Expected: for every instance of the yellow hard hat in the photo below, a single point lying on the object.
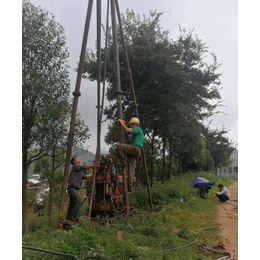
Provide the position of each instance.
(134, 120)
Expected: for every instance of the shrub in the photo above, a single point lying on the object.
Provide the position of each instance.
(145, 235)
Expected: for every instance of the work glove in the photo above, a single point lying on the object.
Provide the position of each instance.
(98, 164)
(121, 121)
(93, 165)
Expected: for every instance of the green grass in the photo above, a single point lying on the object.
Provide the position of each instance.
(170, 225)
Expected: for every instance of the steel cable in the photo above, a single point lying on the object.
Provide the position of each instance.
(97, 257)
(61, 254)
(175, 248)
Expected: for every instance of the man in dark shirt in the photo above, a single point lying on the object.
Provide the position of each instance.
(74, 184)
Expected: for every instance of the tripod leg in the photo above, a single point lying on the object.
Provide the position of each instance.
(126, 198)
(83, 200)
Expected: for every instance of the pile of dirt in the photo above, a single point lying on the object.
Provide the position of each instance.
(228, 220)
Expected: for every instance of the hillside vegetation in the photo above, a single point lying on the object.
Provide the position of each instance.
(177, 86)
(161, 234)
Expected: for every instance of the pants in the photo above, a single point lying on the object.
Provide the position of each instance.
(223, 197)
(127, 155)
(74, 204)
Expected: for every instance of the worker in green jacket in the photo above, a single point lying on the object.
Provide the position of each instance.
(128, 153)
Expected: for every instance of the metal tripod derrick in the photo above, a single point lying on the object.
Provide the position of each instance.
(114, 10)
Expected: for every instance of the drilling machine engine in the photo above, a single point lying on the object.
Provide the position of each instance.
(108, 191)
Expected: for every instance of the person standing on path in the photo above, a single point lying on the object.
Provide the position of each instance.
(222, 194)
(74, 184)
(128, 153)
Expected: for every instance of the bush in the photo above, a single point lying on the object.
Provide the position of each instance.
(145, 235)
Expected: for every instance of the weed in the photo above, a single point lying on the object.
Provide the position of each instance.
(184, 232)
(145, 235)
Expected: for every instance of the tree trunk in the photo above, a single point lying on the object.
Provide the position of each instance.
(170, 164)
(179, 164)
(152, 151)
(163, 168)
(51, 186)
(24, 194)
(184, 165)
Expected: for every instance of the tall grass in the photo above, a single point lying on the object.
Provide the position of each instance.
(172, 224)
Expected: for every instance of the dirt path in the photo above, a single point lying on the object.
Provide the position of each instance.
(228, 220)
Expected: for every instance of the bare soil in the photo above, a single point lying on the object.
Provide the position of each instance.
(228, 220)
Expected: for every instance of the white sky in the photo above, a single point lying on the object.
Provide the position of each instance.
(215, 22)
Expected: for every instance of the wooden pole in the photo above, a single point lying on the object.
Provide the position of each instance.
(76, 94)
(134, 98)
(97, 157)
(119, 100)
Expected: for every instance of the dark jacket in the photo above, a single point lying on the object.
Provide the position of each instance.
(76, 176)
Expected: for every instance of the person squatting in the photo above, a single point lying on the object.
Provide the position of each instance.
(222, 194)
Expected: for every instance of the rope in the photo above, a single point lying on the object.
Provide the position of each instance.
(175, 248)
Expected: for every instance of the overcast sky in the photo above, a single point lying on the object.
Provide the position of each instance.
(214, 21)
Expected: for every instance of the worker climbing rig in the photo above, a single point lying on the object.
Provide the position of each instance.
(109, 192)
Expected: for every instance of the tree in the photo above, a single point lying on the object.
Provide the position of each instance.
(199, 159)
(219, 146)
(175, 88)
(50, 165)
(45, 86)
(49, 168)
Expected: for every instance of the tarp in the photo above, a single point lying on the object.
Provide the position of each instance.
(200, 180)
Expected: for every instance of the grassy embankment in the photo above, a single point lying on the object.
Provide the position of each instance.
(172, 224)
